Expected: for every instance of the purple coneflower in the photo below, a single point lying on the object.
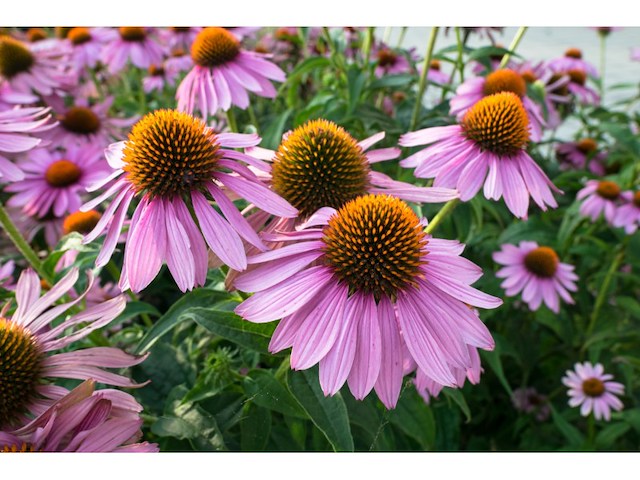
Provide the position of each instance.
(592, 390)
(179, 37)
(17, 127)
(34, 67)
(223, 74)
(390, 61)
(628, 214)
(54, 181)
(581, 154)
(158, 76)
(84, 420)
(175, 163)
(29, 338)
(491, 138)
(572, 60)
(528, 400)
(435, 73)
(86, 123)
(503, 80)
(87, 45)
(537, 273)
(6, 275)
(357, 288)
(135, 44)
(600, 196)
(578, 87)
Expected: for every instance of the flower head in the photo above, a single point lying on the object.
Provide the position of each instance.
(581, 154)
(84, 420)
(55, 181)
(572, 60)
(34, 67)
(628, 214)
(223, 74)
(488, 146)
(358, 287)
(135, 44)
(600, 196)
(173, 161)
(528, 400)
(87, 45)
(537, 272)
(29, 338)
(592, 390)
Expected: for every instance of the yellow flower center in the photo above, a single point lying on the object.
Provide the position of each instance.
(23, 448)
(608, 189)
(214, 46)
(542, 261)
(170, 152)
(20, 367)
(132, 34)
(593, 387)
(505, 80)
(319, 164)
(15, 57)
(375, 244)
(79, 35)
(573, 53)
(81, 222)
(36, 34)
(587, 145)
(498, 123)
(80, 120)
(62, 173)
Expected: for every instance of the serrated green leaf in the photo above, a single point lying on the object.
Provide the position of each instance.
(329, 414)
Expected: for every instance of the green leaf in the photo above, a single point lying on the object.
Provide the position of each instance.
(356, 79)
(494, 361)
(306, 66)
(199, 297)
(415, 418)
(135, 309)
(255, 428)
(457, 396)
(264, 390)
(571, 433)
(191, 422)
(255, 336)
(392, 81)
(609, 434)
(630, 305)
(272, 135)
(329, 414)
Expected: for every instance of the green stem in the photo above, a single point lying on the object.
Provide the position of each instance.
(459, 62)
(23, 246)
(442, 214)
(231, 121)
(604, 288)
(283, 368)
(253, 119)
(422, 85)
(367, 45)
(591, 431)
(514, 44)
(403, 32)
(112, 268)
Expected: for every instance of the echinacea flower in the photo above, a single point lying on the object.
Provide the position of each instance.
(581, 154)
(30, 344)
(487, 147)
(55, 181)
(84, 123)
(572, 60)
(528, 400)
(223, 74)
(592, 390)
(34, 67)
(503, 80)
(157, 78)
(179, 37)
(135, 44)
(84, 420)
(537, 272)
(358, 287)
(628, 214)
(600, 196)
(6, 275)
(87, 45)
(390, 61)
(177, 164)
(436, 75)
(17, 129)
(578, 87)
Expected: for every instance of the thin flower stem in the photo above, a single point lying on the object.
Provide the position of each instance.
(604, 288)
(23, 246)
(253, 119)
(603, 62)
(591, 431)
(514, 44)
(459, 62)
(422, 85)
(442, 214)
(368, 44)
(231, 120)
(403, 32)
